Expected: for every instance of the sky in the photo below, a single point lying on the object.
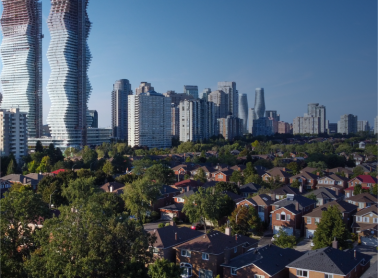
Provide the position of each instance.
(300, 52)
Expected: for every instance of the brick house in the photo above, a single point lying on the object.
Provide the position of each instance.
(183, 169)
(262, 203)
(280, 172)
(330, 262)
(325, 195)
(366, 181)
(287, 214)
(167, 194)
(363, 200)
(312, 218)
(306, 179)
(249, 189)
(283, 191)
(339, 170)
(207, 169)
(222, 175)
(175, 209)
(204, 255)
(365, 222)
(333, 179)
(266, 261)
(169, 237)
(185, 184)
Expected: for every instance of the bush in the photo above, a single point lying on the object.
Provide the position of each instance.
(175, 220)
(167, 224)
(354, 237)
(155, 215)
(161, 225)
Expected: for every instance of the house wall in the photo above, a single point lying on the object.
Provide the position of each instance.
(294, 221)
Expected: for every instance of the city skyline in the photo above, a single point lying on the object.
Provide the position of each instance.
(296, 79)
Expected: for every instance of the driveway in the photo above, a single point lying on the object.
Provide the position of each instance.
(369, 250)
(154, 225)
(304, 245)
(264, 241)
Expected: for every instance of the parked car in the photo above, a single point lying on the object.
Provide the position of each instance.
(197, 226)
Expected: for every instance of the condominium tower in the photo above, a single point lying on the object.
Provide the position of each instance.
(21, 53)
(144, 87)
(363, 126)
(233, 99)
(347, 124)
(120, 94)
(306, 125)
(316, 110)
(259, 102)
(220, 100)
(69, 59)
(272, 114)
(243, 111)
(191, 90)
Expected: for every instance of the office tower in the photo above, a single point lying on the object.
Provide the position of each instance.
(251, 117)
(272, 114)
(120, 94)
(149, 120)
(21, 53)
(243, 111)
(306, 125)
(316, 110)
(177, 98)
(13, 133)
(205, 93)
(376, 125)
(93, 118)
(363, 126)
(230, 89)
(193, 120)
(144, 87)
(69, 57)
(220, 100)
(230, 127)
(259, 102)
(191, 91)
(332, 128)
(283, 127)
(46, 131)
(347, 124)
(211, 120)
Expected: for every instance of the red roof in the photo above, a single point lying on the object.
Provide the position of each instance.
(352, 188)
(58, 171)
(367, 179)
(186, 183)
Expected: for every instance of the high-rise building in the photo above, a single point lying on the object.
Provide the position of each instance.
(272, 114)
(1, 98)
(21, 53)
(149, 120)
(13, 133)
(191, 90)
(94, 118)
(262, 126)
(69, 57)
(177, 98)
(233, 99)
(283, 127)
(316, 110)
(144, 87)
(220, 100)
(376, 125)
(205, 93)
(175, 121)
(306, 125)
(347, 124)
(259, 102)
(363, 126)
(251, 117)
(243, 111)
(332, 128)
(120, 94)
(230, 127)
(274, 124)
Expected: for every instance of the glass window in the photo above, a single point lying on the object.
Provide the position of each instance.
(185, 253)
(366, 219)
(259, 276)
(283, 217)
(233, 271)
(277, 216)
(302, 273)
(358, 218)
(288, 217)
(375, 220)
(360, 205)
(317, 220)
(155, 250)
(328, 275)
(186, 270)
(308, 220)
(205, 256)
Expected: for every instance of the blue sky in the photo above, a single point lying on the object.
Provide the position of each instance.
(300, 51)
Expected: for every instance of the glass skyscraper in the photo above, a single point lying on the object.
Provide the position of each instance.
(191, 90)
(69, 59)
(21, 53)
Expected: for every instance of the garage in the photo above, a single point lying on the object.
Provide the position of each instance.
(167, 216)
(310, 233)
(288, 230)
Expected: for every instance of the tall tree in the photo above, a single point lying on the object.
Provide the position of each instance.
(39, 147)
(160, 174)
(80, 189)
(244, 219)
(45, 165)
(108, 168)
(357, 189)
(163, 268)
(237, 177)
(283, 240)
(11, 167)
(226, 186)
(89, 155)
(293, 167)
(200, 175)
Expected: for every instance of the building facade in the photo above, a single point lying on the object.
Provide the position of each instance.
(243, 111)
(230, 127)
(94, 118)
(306, 125)
(144, 87)
(205, 93)
(191, 91)
(149, 120)
(120, 94)
(363, 126)
(177, 98)
(220, 100)
(376, 125)
(272, 114)
(13, 133)
(262, 126)
(21, 53)
(69, 57)
(274, 125)
(347, 124)
(316, 110)
(259, 102)
(283, 127)
(230, 90)
(332, 128)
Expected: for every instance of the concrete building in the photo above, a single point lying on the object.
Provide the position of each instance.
(284, 128)
(97, 136)
(205, 93)
(93, 118)
(306, 125)
(243, 111)
(220, 100)
(332, 128)
(259, 102)
(191, 90)
(144, 87)
(316, 110)
(230, 127)
(233, 99)
(251, 117)
(13, 133)
(363, 126)
(347, 124)
(262, 126)
(272, 114)
(149, 120)
(120, 94)
(274, 125)
(177, 98)
(175, 121)
(376, 125)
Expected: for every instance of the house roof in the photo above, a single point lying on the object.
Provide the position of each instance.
(366, 179)
(340, 170)
(250, 188)
(290, 202)
(58, 171)
(116, 186)
(329, 260)
(309, 169)
(306, 175)
(334, 177)
(166, 236)
(233, 196)
(174, 207)
(278, 171)
(216, 242)
(269, 258)
(363, 198)
(371, 272)
(186, 183)
(166, 189)
(342, 206)
(187, 193)
(284, 190)
(324, 193)
(373, 208)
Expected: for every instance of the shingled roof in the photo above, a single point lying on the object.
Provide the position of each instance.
(166, 236)
(324, 193)
(341, 205)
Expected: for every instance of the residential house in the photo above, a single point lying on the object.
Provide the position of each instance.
(169, 237)
(167, 194)
(312, 218)
(306, 179)
(249, 189)
(4, 187)
(266, 261)
(280, 172)
(222, 175)
(183, 169)
(235, 197)
(368, 168)
(283, 191)
(113, 187)
(331, 180)
(204, 255)
(366, 181)
(365, 222)
(325, 195)
(185, 184)
(207, 170)
(287, 214)
(330, 262)
(239, 168)
(235, 152)
(341, 171)
(29, 179)
(175, 209)
(358, 158)
(262, 203)
(363, 200)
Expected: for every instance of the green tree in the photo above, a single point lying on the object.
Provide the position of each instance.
(32, 167)
(80, 189)
(45, 165)
(312, 196)
(244, 219)
(249, 170)
(160, 174)
(374, 190)
(254, 179)
(255, 144)
(200, 175)
(20, 209)
(163, 268)
(39, 147)
(358, 171)
(188, 159)
(283, 240)
(296, 183)
(108, 168)
(331, 226)
(11, 167)
(226, 186)
(318, 165)
(89, 155)
(293, 167)
(357, 189)
(237, 177)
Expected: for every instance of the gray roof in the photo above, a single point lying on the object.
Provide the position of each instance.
(329, 260)
(290, 203)
(187, 193)
(324, 193)
(371, 272)
(250, 188)
(174, 207)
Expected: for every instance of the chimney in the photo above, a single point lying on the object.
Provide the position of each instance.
(335, 244)
(111, 188)
(284, 169)
(236, 237)
(25, 180)
(318, 174)
(337, 191)
(175, 236)
(355, 254)
(188, 188)
(226, 256)
(297, 206)
(228, 231)
(301, 188)
(273, 197)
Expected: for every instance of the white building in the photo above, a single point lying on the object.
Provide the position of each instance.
(243, 111)
(306, 125)
(363, 126)
(316, 110)
(230, 127)
(220, 100)
(376, 125)
(347, 124)
(233, 96)
(149, 119)
(13, 133)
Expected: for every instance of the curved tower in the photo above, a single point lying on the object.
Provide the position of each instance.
(243, 110)
(259, 102)
(21, 53)
(69, 59)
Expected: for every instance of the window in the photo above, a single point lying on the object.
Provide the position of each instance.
(288, 217)
(235, 249)
(259, 276)
(283, 216)
(180, 200)
(302, 273)
(317, 220)
(366, 219)
(375, 220)
(155, 250)
(186, 270)
(308, 220)
(185, 253)
(261, 209)
(220, 176)
(327, 275)
(277, 216)
(369, 184)
(203, 273)
(360, 205)
(359, 219)
(205, 256)
(348, 195)
(233, 271)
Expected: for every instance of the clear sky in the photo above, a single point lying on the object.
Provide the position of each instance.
(299, 51)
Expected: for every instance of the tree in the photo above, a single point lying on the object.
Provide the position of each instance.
(283, 240)
(358, 171)
(249, 170)
(200, 175)
(357, 189)
(374, 190)
(39, 147)
(255, 178)
(188, 159)
(226, 186)
(293, 167)
(296, 183)
(331, 226)
(312, 196)
(162, 268)
(89, 155)
(45, 165)
(11, 167)
(255, 144)
(19, 209)
(244, 219)
(237, 177)
(318, 165)
(160, 174)
(80, 189)
(265, 163)
(108, 168)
